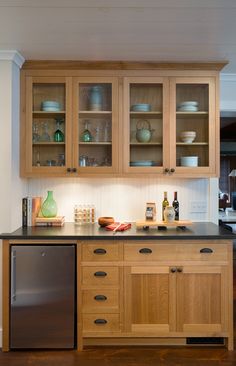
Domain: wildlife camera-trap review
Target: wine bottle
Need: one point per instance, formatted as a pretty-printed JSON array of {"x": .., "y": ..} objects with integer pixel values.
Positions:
[
  {"x": 175, "y": 204},
  {"x": 164, "y": 204}
]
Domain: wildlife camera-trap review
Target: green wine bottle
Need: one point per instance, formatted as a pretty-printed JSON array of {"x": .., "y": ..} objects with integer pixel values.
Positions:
[{"x": 165, "y": 203}]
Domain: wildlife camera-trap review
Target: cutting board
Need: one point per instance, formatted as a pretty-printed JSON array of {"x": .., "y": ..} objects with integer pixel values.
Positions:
[{"x": 148, "y": 223}]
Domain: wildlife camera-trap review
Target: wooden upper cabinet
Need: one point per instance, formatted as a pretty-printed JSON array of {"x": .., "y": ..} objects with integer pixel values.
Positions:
[
  {"x": 119, "y": 121},
  {"x": 95, "y": 128},
  {"x": 146, "y": 124},
  {"x": 194, "y": 128},
  {"x": 46, "y": 126}
]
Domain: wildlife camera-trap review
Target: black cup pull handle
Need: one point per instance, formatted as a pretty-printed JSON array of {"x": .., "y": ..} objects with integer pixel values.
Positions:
[
  {"x": 100, "y": 321},
  {"x": 100, "y": 298},
  {"x": 206, "y": 250},
  {"x": 100, "y": 274},
  {"x": 99, "y": 251},
  {"x": 145, "y": 251}
]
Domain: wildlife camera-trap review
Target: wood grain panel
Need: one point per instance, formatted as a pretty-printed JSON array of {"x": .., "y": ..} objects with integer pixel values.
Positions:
[
  {"x": 112, "y": 323},
  {"x": 109, "y": 305},
  {"x": 89, "y": 278},
  {"x": 150, "y": 299},
  {"x": 89, "y": 254}
]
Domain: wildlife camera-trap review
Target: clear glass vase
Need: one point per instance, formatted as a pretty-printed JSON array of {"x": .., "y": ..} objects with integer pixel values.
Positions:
[{"x": 49, "y": 206}]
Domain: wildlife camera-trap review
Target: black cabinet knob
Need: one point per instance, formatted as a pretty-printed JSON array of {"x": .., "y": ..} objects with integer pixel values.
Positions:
[
  {"x": 74, "y": 170},
  {"x": 173, "y": 269},
  {"x": 100, "y": 274},
  {"x": 68, "y": 170},
  {"x": 145, "y": 251},
  {"x": 99, "y": 251},
  {"x": 100, "y": 298},
  {"x": 179, "y": 269},
  {"x": 172, "y": 170},
  {"x": 166, "y": 170}
]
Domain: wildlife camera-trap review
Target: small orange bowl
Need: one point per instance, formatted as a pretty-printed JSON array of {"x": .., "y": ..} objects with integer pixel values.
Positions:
[{"x": 104, "y": 221}]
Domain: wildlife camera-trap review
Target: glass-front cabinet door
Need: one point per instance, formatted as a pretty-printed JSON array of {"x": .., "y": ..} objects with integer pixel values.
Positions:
[
  {"x": 194, "y": 126},
  {"x": 146, "y": 124},
  {"x": 95, "y": 132},
  {"x": 48, "y": 125}
]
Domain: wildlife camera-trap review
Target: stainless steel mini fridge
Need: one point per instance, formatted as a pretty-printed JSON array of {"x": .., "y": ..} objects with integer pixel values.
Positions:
[{"x": 42, "y": 296}]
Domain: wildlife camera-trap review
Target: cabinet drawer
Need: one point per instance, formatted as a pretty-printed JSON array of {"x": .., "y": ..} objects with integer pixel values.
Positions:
[
  {"x": 101, "y": 322},
  {"x": 204, "y": 251},
  {"x": 100, "y": 251},
  {"x": 100, "y": 301},
  {"x": 100, "y": 275}
]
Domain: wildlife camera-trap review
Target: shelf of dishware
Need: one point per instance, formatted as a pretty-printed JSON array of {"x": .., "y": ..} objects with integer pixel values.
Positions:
[{"x": 192, "y": 114}]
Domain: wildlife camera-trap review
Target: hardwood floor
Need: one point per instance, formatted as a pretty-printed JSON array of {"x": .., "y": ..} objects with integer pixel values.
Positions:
[
  {"x": 120, "y": 356},
  {"x": 128, "y": 356}
]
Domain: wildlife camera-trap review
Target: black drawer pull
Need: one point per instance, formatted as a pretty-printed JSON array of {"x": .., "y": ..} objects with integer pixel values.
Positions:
[
  {"x": 100, "y": 321},
  {"x": 100, "y": 298},
  {"x": 145, "y": 251},
  {"x": 179, "y": 269},
  {"x": 206, "y": 250},
  {"x": 100, "y": 274},
  {"x": 173, "y": 269},
  {"x": 99, "y": 251}
]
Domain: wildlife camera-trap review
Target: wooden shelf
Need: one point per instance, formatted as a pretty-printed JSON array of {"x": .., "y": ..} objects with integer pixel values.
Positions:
[
  {"x": 48, "y": 143},
  {"x": 192, "y": 114},
  {"x": 146, "y": 143},
  {"x": 192, "y": 143},
  {"x": 48, "y": 114},
  {"x": 95, "y": 143},
  {"x": 146, "y": 114},
  {"x": 94, "y": 113}
]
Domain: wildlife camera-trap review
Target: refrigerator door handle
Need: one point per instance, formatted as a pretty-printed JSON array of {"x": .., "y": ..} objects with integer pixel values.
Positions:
[{"x": 13, "y": 276}]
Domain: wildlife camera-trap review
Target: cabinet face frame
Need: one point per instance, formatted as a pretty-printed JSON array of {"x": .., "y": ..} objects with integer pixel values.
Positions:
[
  {"x": 128, "y": 81},
  {"x": 27, "y": 167},
  {"x": 113, "y": 81},
  {"x": 213, "y": 126}
]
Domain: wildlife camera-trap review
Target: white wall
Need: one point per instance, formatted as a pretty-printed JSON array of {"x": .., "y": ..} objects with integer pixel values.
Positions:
[
  {"x": 228, "y": 92},
  {"x": 12, "y": 188},
  {"x": 125, "y": 198}
]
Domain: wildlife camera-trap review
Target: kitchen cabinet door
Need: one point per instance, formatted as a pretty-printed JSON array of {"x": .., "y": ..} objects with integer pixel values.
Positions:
[
  {"x": 149, "y": 300},
  {"x": 95, "y": 129},
  {"x": 46, "y": 126},
  {"x": 202, "y": 300},
  {"x": 193, "y": 109},
  {"x": 146, "y": 125}
]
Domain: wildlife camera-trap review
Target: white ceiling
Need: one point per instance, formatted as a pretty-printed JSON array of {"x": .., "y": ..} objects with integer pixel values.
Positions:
[{"x": 135, "y": 30}]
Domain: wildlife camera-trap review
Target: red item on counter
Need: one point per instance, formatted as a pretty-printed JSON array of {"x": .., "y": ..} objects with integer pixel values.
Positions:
[{"x": 118, "y": 226}]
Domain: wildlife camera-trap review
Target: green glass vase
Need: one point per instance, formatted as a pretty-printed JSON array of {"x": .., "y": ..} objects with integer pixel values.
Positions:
[{"x": 49, "y": 206}]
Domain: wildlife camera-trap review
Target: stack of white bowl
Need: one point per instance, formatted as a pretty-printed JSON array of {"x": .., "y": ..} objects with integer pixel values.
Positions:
[
  {"x": 50, "y": 106},
  {"x": 188, "y": 106},
  {"x": 187, "y": 136},
  {"x": 189, "y": 161}
]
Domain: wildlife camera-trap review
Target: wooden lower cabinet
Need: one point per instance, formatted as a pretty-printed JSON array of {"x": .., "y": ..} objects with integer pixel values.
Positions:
[{"x": 149, "y": 296}]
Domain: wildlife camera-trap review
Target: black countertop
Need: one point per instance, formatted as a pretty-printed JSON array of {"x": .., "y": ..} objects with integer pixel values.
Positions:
[{"x": 70, "y": 231}]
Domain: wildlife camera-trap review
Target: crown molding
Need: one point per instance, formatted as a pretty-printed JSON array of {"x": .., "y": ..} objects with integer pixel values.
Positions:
[{"x": 12, "y": 55}]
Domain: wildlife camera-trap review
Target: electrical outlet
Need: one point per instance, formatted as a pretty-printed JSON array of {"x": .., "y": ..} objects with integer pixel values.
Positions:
[{"x": 198, "y": 207}]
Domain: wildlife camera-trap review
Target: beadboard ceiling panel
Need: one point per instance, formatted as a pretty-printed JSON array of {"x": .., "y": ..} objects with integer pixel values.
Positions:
[{"x": 129, "y": 30}]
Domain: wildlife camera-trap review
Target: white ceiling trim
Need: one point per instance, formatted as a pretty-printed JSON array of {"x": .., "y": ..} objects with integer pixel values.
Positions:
[{"x": 12, "y": 55}]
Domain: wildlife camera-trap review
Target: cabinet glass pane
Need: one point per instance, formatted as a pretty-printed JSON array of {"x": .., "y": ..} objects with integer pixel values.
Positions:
[
  {"x": 95, "y": 124},
  {"x": 146, "y": 126},
  {"x": 192, "y": 125},
  {"x": 48, "y": 124}
]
